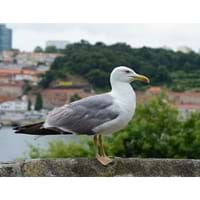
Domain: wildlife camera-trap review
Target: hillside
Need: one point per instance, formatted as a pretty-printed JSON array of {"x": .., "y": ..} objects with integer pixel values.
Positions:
[{"x": 174, "y": 70}]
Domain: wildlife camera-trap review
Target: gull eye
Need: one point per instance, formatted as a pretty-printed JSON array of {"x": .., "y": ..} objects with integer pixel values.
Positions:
[{"x": 127, "y": 71}]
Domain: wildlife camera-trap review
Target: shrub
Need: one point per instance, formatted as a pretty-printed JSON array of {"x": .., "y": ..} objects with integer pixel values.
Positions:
[{"x": 156, "y": 131}]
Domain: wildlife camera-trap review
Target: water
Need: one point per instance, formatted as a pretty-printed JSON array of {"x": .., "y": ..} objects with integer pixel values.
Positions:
[{"x": 14, "y": 146}]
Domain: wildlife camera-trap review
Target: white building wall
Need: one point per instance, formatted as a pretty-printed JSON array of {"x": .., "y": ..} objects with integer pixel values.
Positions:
[
  {"x": 59, "y": 44},
  {"x": 21, "y": 77},
  {"x": 14, "y": 106}
]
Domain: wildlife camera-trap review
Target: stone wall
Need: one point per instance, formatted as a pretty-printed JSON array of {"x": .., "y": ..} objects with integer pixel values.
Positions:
[{"x": 84, "y": 167}]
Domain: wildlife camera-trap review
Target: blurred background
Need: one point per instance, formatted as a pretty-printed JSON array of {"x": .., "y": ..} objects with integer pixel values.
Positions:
[{"x": 43, "y": 66}]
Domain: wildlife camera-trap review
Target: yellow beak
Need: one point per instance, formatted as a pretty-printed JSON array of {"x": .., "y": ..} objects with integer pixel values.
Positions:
[{"x": 142, "y": 78}]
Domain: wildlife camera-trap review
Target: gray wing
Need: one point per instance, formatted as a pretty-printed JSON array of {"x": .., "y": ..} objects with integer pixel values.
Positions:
[{"x": 83, "y": 116}]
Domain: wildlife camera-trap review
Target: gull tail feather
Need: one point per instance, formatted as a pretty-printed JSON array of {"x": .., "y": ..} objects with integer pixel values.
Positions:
[{"x": 38, "y": 129}]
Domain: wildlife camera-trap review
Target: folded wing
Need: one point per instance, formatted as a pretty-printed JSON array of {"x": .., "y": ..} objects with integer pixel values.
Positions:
[{"x": 83, "y": 116}]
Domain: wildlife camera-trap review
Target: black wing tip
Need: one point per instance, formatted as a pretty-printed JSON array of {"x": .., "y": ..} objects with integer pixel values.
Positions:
[
  {"x": 17, "y": 131},
  {"x": 16, "y": 128},
  {"x": 35, "y": 129}
]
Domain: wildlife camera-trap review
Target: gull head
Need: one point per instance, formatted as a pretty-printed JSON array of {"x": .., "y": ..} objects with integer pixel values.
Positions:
[{"x": 126, "y": 75}]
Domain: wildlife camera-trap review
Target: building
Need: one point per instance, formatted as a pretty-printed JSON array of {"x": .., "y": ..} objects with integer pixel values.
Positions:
[
  {"x": 154, "y": 90},
  {"x": 187, "y": 97},
  {"x": 184, "y": 49},
  {"x": 5, "y": 38},
  {"x": 29, "y": 59},
  {"x": 186, "y": 109},
  {"x": 54, "y": 97},
  {"x": 4, "y": 99},
  {"x": 15, "y": 73},
  {"x": 11, "y": 90},
  {"x": 186, "y": 102},
  {"x": 59, "y": 44},
  {"x": 165, "y": 47},
  {"x": 17, "y": 106},
  {"x": 8, "y": 56},
  {"x": 7, "y": 79},
  {"x": 10, "y": 68},
  {"x": 41, "y": 69}
]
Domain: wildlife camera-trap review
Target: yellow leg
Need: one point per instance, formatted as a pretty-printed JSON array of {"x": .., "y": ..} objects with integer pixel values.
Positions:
[
  {"x": 97, "y": 146},
  {"x": 100, "y": 153},
  {"x": 109, "y": 160},
  {"x": 101, "y": 146}
]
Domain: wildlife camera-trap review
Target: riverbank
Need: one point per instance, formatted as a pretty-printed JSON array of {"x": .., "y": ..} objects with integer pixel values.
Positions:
[
  {"x": 13, "y": 118},
  {"x": 14, "y": 146}
]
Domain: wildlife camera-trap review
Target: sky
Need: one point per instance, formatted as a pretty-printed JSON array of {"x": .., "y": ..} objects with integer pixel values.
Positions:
[{"x": 26, "y": 36}]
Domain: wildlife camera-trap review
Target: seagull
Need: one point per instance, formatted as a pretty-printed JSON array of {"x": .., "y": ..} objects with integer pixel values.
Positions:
[{"x": 96, "y": 115}]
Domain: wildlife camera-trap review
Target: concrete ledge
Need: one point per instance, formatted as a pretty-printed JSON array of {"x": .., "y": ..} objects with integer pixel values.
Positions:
[{"x": 84, "y": 167}]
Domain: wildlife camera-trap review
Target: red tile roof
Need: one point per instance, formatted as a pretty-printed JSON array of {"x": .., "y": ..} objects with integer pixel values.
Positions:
[
  {"x": 4, "y": 98},
  {"x": 154, "y": 89}
]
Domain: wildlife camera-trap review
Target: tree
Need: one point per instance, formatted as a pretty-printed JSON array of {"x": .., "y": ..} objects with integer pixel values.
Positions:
[
  {"x": 162, "y": 75},
  {"x": 159, "y": 64},
  {"x": 157, "y": 131},
  {"x": 154, "y": 132},
  {"x": 47, "y": 78},
  {"x": 38, "y": 102},
  {"x": 15, "y": 61},
  {"x": 29, "y": 105},
  {"x": 26, "y": 87},
  {"x": 187, "y": 67},
  {"x": 98, "y": 78},
  {"x": 38, "y": 49},
  {"x": 74, "y": 97},
  {"x": 51, "y": 49}
]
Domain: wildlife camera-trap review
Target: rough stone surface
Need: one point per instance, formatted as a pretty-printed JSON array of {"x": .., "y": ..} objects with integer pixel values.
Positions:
[{"x": 84, "y": 167}]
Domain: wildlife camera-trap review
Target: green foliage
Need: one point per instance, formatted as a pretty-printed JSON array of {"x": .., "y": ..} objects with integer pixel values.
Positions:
[
  {"x": 29, "y": 105},
  {"x": 152, "y": 133},
  {"x": 38, "y": 49},
  {"x": 184, "y": 80},
  {"x": 46, "y": 79},
  {"x": 95, "y": 62},
  {"x": 58, "y": 149},
  {"x": 51, "y": 49},
  {"x": 163, "y": 75},
  {"x": 26, "y": 87},
  {"x": 156, "y": 131},
  {"x": 98, "y": 78},
  {"x": 74, "y": 97},
  {"x": 38, "y": 102},
  {"x": 190, "y": 137}
]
